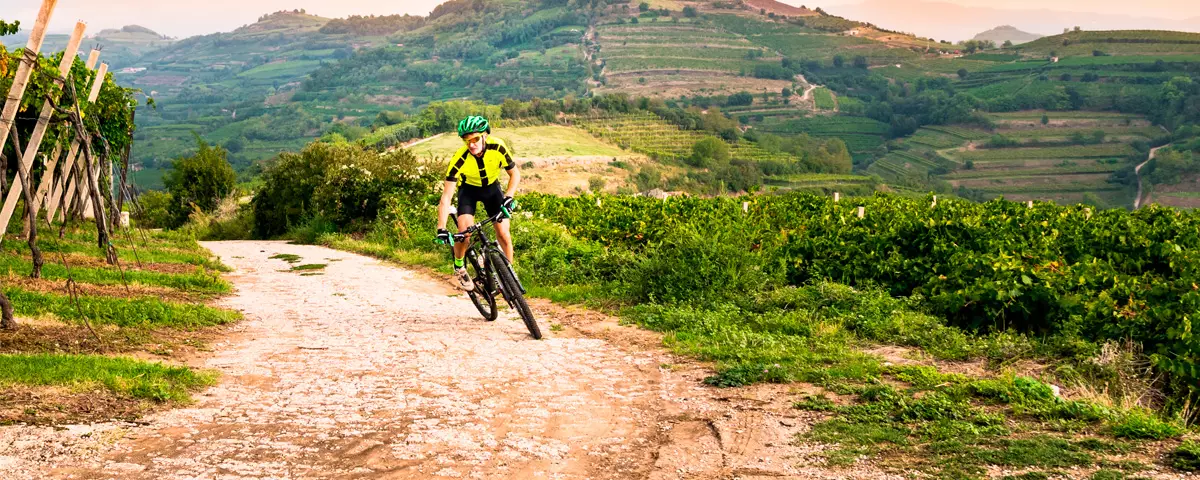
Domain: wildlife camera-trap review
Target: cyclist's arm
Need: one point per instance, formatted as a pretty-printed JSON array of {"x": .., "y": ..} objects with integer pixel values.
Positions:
[{"x": 444, "y": 205}]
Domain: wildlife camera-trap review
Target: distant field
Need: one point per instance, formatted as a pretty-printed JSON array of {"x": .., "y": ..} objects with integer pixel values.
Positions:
[
  {"x": 543, "y": 141},
  {"x": 288, "y": 69},
  {"x": 1082, "y": 151},
  {"x": 824, "y": 99}
]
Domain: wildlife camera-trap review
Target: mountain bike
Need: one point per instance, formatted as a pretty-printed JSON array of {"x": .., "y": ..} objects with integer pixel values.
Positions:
[{"x": 493, "y": 273}]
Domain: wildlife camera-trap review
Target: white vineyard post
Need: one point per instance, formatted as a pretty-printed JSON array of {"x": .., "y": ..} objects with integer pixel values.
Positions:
[
  {"x": 47, "y": 183},
  {"x": 862, "y": 211},
  {"x": 745, "y": 207},
  {"x": 1029, "y": 204},
  {"x": 934, "y": 202},
  {"x": 75, "y": 189},
  {"x": 24, "y": 70},
  {"x": 836, "y": 196},
  {"x": 39, "y": 130}
]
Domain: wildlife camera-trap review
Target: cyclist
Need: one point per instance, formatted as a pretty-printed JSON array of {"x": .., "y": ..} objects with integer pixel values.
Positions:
[{"x": 475, "y": 171}]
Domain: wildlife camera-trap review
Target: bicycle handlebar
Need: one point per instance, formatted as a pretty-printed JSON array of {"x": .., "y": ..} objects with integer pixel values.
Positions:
[{"x": 502, "y": 214}]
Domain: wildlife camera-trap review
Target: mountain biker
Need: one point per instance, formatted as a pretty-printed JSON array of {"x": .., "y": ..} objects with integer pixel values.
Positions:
[{"x": 475, "y": 171}]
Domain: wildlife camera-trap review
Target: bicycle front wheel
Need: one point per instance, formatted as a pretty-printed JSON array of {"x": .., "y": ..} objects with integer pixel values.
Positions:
[
  {"x": 482, "y": 295},
  {"x": 512, "y": 292}
]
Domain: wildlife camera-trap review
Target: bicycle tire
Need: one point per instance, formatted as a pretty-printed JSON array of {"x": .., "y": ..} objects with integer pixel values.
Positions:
[
  {"x": 481, "y": 296},
  {"x": 512, "y": 292}
]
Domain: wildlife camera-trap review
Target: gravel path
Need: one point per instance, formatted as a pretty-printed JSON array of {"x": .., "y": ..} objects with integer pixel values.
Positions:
[{"x": 372, "y": 371}]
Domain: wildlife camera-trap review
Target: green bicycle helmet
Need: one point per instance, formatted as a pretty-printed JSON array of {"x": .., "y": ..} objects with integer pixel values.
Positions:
[{"x": 473, "y": 124}]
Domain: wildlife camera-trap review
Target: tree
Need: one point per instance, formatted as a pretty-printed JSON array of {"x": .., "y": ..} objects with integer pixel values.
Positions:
[
  {"x": 199, "y": 181},
  {"x": 786, "y": 92},
  {"x": 962, "y": 73},
  {"x": 1007, "y": 44},
  {"x": 709, "y": 152},
  {"x": 1045, "y": 119},
  {"x": 740, "y": 99},
  {"x": 860, "y": 62},
  {"x": 690, "y": 12},
  {"x": 644, "y": 7},
  {"x": 838, "y": 61}
]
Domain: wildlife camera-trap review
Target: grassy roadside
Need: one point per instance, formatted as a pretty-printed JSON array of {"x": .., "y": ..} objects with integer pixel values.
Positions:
[
  {"x": 55, "y": 369},
  {"x": 897, "y": 385}
]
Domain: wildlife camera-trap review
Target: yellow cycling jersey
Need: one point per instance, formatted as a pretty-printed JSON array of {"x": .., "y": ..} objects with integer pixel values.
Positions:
[{"x": 480, "y": 171}]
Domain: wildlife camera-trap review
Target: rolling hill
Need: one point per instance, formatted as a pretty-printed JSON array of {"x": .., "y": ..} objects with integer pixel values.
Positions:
[
  {"x": 1007, "y": 33},
  {"x": 914, "y": 112}
]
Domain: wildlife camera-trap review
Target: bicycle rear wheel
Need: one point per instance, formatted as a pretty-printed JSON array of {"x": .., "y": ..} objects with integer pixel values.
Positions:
[
  {"x": 512, "y": 292},
  {"x": 481, "y": 296}
]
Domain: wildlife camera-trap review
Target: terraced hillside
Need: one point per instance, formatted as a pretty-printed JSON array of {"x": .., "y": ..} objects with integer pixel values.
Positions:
[
  {"x": 1070, "y": 159},
  {"x": 672, "y": 59}
]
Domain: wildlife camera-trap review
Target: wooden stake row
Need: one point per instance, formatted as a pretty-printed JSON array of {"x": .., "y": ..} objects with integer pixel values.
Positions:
[{"x": 34, "y": 141}]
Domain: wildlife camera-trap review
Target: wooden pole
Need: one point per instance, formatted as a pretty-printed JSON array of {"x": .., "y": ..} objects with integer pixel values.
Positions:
[
  {"x": 45, "y": 186},
  {"x": 39, "y": 130},
  {"x": 24, "y": 70},
  {"x": 71, "y": 189}
]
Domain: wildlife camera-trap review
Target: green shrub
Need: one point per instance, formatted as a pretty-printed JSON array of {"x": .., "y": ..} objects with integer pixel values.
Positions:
[
  {"x": 155, "y": 211},
  {"x": 1186, "y": 456},
  {"x": 200, "y": 181},
  {"x": 1138, "y": 423},
  {"x": 698, "y": 266}
]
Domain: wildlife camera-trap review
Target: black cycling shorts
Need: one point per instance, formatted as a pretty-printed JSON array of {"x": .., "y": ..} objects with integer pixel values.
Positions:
[{"x": 469, "y": 195}]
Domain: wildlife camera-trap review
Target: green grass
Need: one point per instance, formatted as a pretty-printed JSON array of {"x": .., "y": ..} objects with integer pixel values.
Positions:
[
  {"x": 1084, "y": 151},
  {"x": 287, "y": 257},
  {"x": 309, "y": 266},
  {"x": 824, "y": 99},
  {"x": 132, "y": 312},
  {"x": 122, "y": 376},
  {"x": 199, "y": 281}
]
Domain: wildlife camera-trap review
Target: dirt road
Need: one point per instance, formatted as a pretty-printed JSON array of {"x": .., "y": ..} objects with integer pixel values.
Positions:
[{"x": 373, "y": 371}]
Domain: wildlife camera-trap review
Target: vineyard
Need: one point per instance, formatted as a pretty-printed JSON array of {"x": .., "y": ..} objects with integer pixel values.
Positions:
[
  {"x": 1062, "y": 272},
  {"x": 824, "y": 99},
  {"x": 859, "y": 133},
  {"x": 1072, "y": 152},
  {"x": 650, "y": 135},
  {"x": 660, "y": 46}
]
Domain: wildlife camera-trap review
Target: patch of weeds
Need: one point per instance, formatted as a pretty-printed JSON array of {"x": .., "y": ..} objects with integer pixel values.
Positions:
[
  {"x": 556, "y": 327},
  {"x": 338, "y": 294},
  {"x": 1138, "y": 423},
  {"x": 123, "y": 312},
  {"x": 1039, "y": 451},
  {"x": 818, "y": 403},
  {"x": 1027, "y": 476},
  {"x": 309, "y": 266},
  {"x": 311, "y": 274},
  {"x": 123, "y": 376},
  {"x": 287, "y": 257},
  {"x": 1186, "y": 456}
]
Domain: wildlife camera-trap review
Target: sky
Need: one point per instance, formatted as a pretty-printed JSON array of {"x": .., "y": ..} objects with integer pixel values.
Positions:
[
  {"x": 1175, "y": 9},
  {"x": 183, "y": 19}
]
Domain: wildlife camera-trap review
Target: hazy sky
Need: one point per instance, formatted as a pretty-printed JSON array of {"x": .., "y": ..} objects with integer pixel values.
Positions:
[
  {"x": 1173, "y": 9},
  {"x": 182, "y": 19}
]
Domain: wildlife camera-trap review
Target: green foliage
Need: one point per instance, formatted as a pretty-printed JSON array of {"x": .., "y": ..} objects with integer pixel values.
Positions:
[
  {"x": 1186, "y": 456},
  {"x": 200, "y": 181},
  {"x": 142, "y": 311},
  {"x": 330, "y": 186},
  {"x": 709, "y": 152},
  {"x": 986, "y": 267},
  {"x": 1141, "y": 424},
  {"x": 155, "y": 211}
]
